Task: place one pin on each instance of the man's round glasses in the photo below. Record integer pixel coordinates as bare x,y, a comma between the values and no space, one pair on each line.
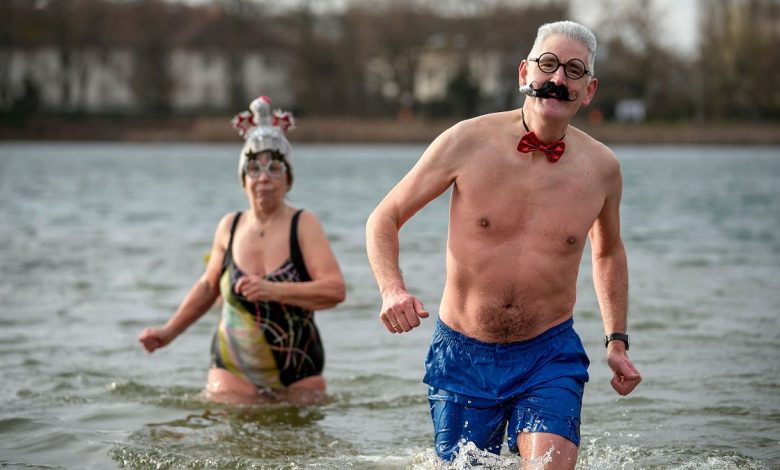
549,63
275,169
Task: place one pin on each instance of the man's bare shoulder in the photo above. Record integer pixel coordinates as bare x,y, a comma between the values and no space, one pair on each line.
491,122
468,136
494,121
596,150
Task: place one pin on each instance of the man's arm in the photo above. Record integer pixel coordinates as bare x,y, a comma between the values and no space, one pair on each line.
610,278
429,178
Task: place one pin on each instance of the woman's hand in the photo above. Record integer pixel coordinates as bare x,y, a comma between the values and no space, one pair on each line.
255,288
155,338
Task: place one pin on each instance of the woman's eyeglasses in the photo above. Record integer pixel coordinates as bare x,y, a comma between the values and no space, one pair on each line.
275,169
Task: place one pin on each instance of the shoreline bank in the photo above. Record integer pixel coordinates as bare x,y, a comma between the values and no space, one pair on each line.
357,130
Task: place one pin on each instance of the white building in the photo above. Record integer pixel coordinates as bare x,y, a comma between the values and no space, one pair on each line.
96,80
630,111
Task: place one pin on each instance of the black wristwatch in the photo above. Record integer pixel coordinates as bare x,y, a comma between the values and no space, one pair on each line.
616,336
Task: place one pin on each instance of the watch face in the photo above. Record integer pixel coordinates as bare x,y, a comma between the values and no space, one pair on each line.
616,336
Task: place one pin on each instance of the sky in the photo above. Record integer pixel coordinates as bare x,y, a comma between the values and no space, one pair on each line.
678,22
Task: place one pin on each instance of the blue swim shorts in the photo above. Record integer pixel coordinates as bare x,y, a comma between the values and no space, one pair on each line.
479,391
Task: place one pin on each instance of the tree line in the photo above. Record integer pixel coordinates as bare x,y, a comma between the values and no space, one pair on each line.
731,76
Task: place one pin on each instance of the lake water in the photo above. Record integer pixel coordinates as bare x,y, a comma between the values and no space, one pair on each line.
98,241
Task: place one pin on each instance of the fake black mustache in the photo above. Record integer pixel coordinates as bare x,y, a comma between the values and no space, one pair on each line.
549,90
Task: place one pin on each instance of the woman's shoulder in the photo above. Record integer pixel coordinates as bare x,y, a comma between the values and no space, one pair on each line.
228,219
226,224
308,222
305,216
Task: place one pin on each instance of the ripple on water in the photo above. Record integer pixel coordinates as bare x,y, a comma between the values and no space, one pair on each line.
375,392
601,454
133,389
144,285
17,339
18,424
231,437
646,325
51,441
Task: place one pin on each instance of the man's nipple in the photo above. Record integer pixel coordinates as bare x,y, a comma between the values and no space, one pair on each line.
484,223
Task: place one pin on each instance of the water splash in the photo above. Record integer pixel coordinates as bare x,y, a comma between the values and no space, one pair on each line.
609,457
470,457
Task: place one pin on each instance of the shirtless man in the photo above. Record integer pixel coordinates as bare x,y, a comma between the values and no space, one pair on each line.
504,351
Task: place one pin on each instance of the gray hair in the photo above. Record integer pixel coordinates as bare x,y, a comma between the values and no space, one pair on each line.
571,30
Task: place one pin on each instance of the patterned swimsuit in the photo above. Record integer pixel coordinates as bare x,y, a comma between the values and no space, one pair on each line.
269,344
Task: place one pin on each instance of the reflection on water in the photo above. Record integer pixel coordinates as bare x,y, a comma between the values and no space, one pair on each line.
245,434
99,240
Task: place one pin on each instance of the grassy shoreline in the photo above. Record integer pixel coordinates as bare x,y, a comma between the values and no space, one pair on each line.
359,130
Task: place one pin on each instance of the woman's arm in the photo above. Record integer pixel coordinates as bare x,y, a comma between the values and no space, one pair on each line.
326,288
198,300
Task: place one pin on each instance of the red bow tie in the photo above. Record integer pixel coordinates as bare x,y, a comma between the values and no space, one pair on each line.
531,143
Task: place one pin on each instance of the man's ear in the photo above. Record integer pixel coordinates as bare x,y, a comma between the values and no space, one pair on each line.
522,73
590,91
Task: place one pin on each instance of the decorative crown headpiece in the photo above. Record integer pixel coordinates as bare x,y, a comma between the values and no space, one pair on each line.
263,129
